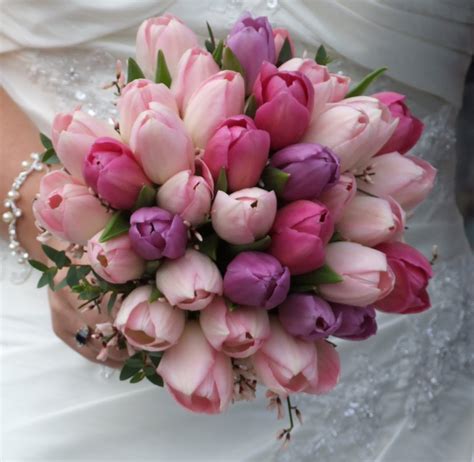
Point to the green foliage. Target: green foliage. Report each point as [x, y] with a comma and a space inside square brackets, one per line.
[275, 179]
[134, 72]
[310, 281]
[140, 365]
[322, 57]
[210, 43]
[162, 74]
[285, 53]
[217, 53]
[146, 197]
[230, 62]
[362, 86]
[250, 106]
[118, 224]
[56, 256]
[221, 183]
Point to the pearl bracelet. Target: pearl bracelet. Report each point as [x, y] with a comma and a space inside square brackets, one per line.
[14, 213]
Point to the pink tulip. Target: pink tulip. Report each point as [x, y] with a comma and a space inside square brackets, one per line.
[318, 75]
[190, 282]
[407, 179]
[149, 326]
[299, 235]
[73, 134]
[217, 98]
[329, 369]
[195, 66]
[355, 129]
[241, 149]
[188, 196]
[371, 220]
[197, 376]
[285, 364]
[114, 260]
[337, 198]
[412, 272]
[365, 273]
[340, 87]
[409, 128]
[161, 144]
[285, 101]
[62, 204]
[166, 33]
[243, 216]
[136, 98]
[279, 36]
[238, 333]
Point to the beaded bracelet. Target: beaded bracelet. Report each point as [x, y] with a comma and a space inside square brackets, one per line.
[14, 213]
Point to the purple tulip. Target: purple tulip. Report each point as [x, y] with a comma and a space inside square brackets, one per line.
[157, 233]
[256, 279]
[251, 40]
[313, 168]
[308, 317]
[113, 173]
[357, 323]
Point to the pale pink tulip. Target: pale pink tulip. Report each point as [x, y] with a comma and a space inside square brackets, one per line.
[243, 216]
[366, 274]
[329, 369]
[337, 198]
[217, 98]
[168, 34]
[136, 97]
[407, 179]
[154, 326]
[190, 282]
[62, 204]
[197, 376]
[238, 333]
[73, 134]
[340, 87]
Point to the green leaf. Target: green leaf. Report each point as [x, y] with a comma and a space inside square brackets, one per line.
[209, 246]
[250, 106]
[155, 379]
[38, 265]
[257, 246]
[45, 141]
[111, 302]
[155, 295]
[149, 370]
[322, 57]
[285, 53]
[360, 88]
[230, 62]
[212, 40]
[146, 197]
[162, 74]
[138, 377]
[47, 278]
[58, 257]
[117, 225]
[275, 179]
[61, 285]
[221, 183]
[137, 360]
[208, 45]
[128, 372]
[134, 72]
[155, 357]
[217, 53]
[323, 275]
[50, 157]
[151, 267]
[336, 237]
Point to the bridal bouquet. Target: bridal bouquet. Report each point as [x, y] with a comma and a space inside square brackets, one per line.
[246, 207]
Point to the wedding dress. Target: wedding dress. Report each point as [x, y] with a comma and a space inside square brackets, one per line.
[404, 395]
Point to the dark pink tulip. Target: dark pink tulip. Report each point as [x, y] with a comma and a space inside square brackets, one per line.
[299, 234]
[112, 172]
[241, 149]
[285, 101]
[356, 322]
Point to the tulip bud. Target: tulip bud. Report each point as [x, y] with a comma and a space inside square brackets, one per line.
[62, 204]
[114, 260]
[279, 36]
[256, 279]
[337, 198]
[195, 66]
[186, 195]
[328, 367]
[340, 87]
[412, 274]
[285, 101]
[161, 144]
[365, 273]
[217, 98]
[371, 220]
[112, 172]
[166, 33]
[136, 98]
[153, 326]
[238, 333]
[296, 372]
[241, 149]
[197, 376]
[157, 233]
[308, 317]
[409, 128]
[312, 168]
[357, 322]
[243, 216]
[299, 235]
[407, 179]
[190, 282]
[73, 134]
